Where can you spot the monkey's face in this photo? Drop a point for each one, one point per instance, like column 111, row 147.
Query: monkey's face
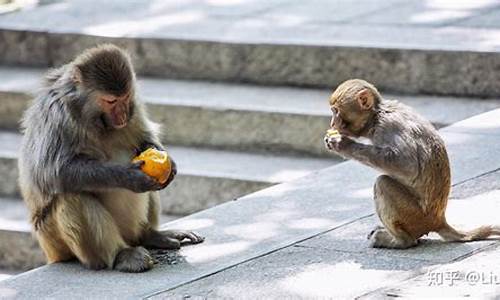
column 351, row 113
column 347, row 121
column 116, row 109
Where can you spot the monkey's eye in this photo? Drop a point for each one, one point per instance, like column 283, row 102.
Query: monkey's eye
column 334, row 111
column 110, row 100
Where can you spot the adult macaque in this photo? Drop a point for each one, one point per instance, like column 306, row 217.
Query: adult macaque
column 411, row 196
column 87, row 200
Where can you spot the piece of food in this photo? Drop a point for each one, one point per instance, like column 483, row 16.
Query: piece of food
column 156, row 164
column 333, row 133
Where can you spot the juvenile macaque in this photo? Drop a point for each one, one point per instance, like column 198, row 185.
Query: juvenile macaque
column 87, row 199
column 411, row 196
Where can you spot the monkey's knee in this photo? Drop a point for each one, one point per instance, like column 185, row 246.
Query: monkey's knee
column 52, row 244
column 89, row 231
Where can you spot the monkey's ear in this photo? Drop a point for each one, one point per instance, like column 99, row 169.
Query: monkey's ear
column 365, row 99
column 76, row 75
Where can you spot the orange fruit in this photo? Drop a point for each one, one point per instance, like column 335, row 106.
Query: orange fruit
column 156, row 164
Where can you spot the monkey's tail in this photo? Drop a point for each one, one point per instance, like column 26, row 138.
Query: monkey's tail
column 450, row 234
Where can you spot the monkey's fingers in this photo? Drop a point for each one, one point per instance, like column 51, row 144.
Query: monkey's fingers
column 192, row 238
column 137, row 164
column 330, row 145
column 169, row 180
column 185, row 237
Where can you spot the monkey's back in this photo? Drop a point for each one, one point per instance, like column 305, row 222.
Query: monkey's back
column 427, row 150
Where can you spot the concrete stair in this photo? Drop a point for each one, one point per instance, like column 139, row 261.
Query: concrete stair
column 229, row 136
column 245, row 138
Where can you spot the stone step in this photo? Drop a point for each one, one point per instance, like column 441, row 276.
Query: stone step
column 237, row 116
column 267, row 233
column 19, row 250
column 205, row 177
column 441, row 49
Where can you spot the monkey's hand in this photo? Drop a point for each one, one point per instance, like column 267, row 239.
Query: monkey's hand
column 173, row 172
column 339, row 145
column 139, row 182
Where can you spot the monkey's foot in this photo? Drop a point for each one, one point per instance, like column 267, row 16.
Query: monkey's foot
column 171, row 239
column 378, row 227
column 133, row 260
column 184, row 237
column 381, row 238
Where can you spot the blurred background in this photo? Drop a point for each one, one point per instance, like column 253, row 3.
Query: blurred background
column 241, row 87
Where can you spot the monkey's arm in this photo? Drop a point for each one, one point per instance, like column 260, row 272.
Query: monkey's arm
column 388, row 159
column 86, row 174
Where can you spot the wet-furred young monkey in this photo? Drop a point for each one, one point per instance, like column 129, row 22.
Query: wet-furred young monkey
column 87, row 200
column 411, row 196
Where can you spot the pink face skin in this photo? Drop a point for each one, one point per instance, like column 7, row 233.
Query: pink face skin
column 116, row 108
column 338, row 124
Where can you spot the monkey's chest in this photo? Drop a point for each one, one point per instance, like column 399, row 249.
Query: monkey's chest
column 123, row 157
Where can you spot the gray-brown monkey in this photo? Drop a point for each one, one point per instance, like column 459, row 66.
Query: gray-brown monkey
column 87, row 200
column 411, row 196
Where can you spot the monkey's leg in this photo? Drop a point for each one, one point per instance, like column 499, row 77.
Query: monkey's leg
column 400, row 213
column 165, row 239
column 92, row 235
column 51, row 242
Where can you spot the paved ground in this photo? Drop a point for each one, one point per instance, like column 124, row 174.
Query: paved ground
column 307, row 238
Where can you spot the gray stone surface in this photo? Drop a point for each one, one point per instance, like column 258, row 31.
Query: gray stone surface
column 340, row 263
column 301, row 273
column 433, row 13
column 320, row 43
column 484, row 124
column 239, row 116
column 18, row 248
column 8, row 164
column 490, row 19
column 253, row 226
column 476, row 277
column 466, row 162
column 24, row 47
column 12, row 105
